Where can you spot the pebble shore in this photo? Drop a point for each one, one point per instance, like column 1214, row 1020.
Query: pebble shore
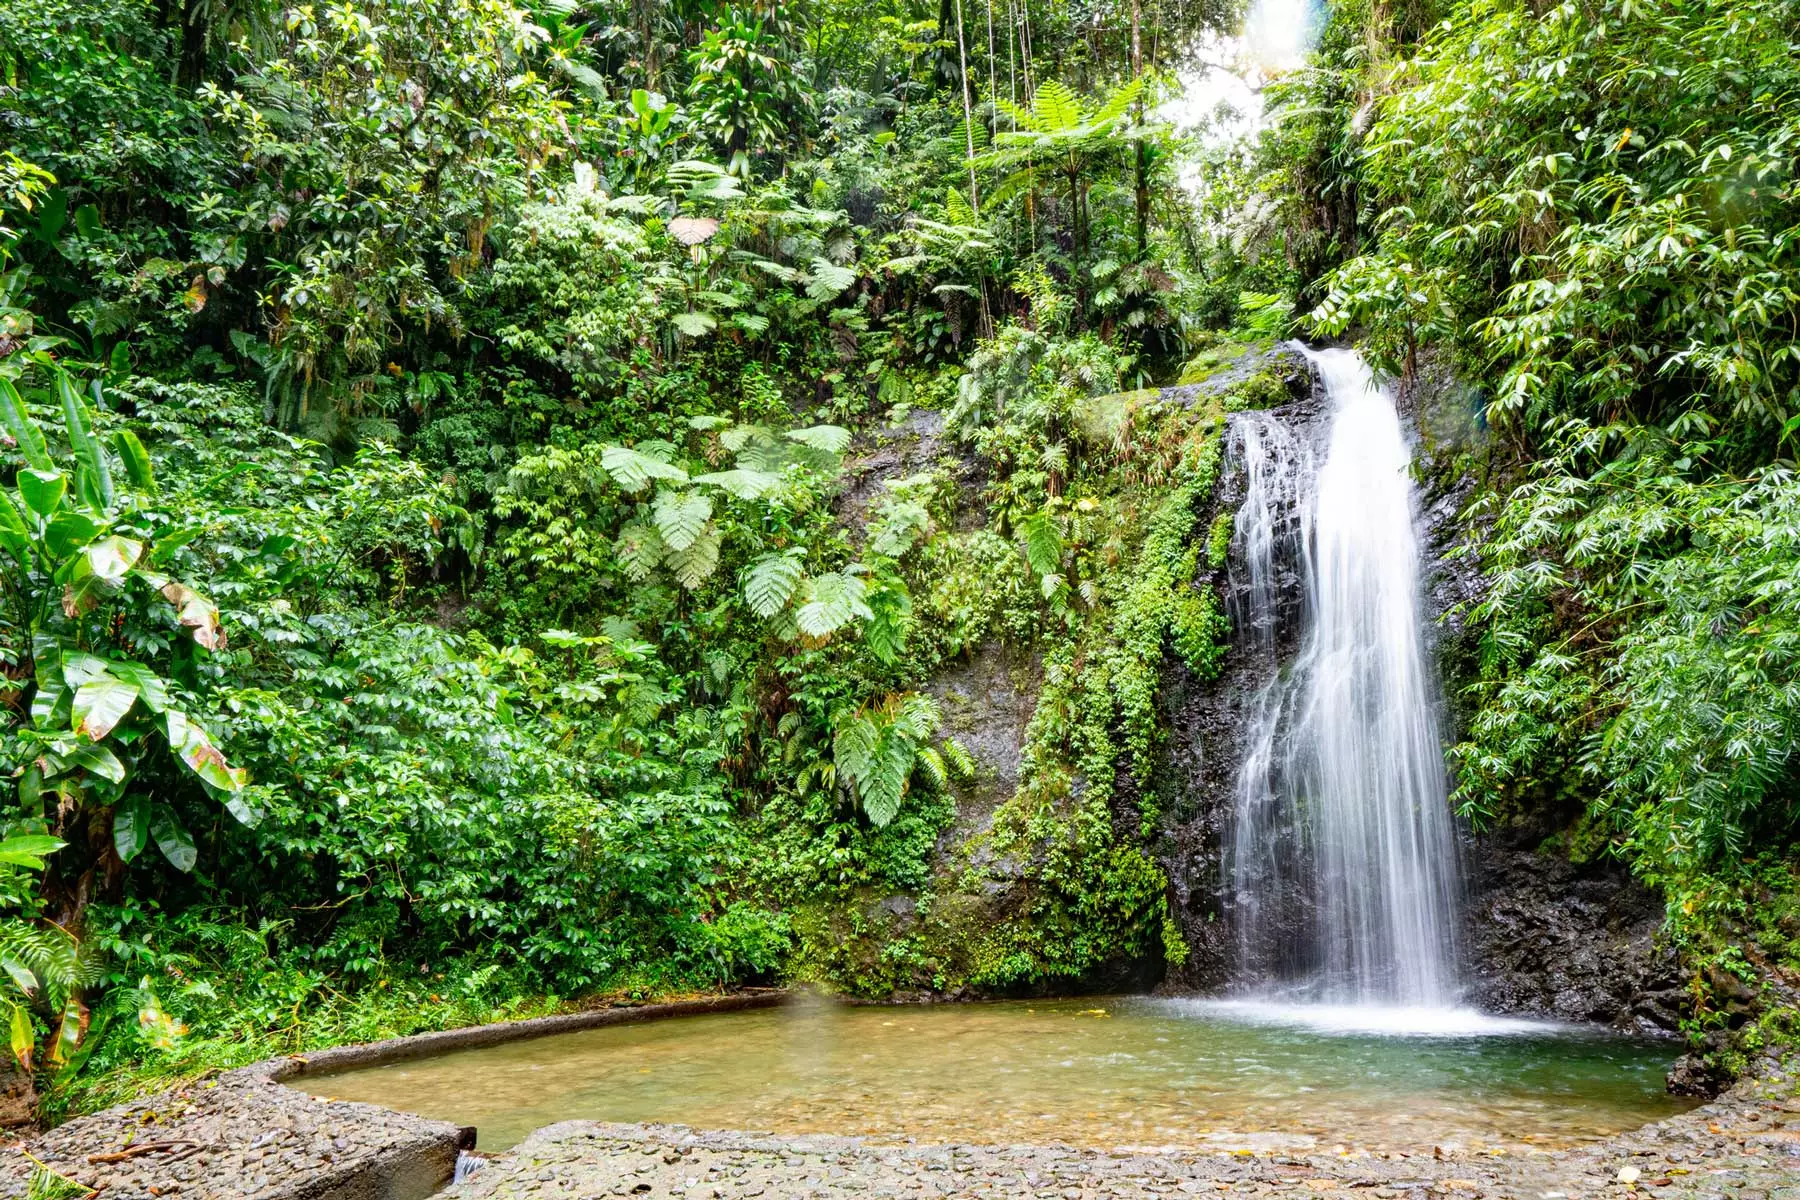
column 1746, row 1146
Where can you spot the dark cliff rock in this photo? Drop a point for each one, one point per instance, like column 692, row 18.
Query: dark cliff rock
column 1549, row 937
column 1207, row 720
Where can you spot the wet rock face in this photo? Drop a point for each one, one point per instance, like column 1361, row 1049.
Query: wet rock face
column 1547, row 937
column 1208, row 721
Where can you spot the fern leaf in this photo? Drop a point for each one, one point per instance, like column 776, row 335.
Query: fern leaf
column 853, row 749
column 770, row 581
column 832, row 439
column 681, row 517
column 1043, row 542
column 745, row 485
column 639, row 548
column 1055, row 108
column 958, row 759
column 930, row 765
column 834, row 600
column 917, row 717
column 699, row 560
column 828, row 280
column 632, row 468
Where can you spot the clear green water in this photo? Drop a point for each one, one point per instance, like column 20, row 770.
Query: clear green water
column 1100, row 1073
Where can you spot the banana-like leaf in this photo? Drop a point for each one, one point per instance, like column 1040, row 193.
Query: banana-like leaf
column 29, row 850
column 131, row 827
column 136, row 459
column 100, row 704
column 80, row 425
column 16, row 422
column 42, row 489
column 176, row 844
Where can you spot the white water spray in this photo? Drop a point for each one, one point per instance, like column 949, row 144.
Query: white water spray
column 1343, row 854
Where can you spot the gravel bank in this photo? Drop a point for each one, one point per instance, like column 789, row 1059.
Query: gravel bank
column 1746, row 1146
column 244, row 1135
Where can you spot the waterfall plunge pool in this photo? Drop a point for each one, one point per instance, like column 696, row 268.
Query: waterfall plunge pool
column 1096, row 1072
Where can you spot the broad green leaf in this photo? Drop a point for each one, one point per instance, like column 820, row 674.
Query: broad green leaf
column 88, row 1038
column 694, row 324
column 136, row 459
column 21, row 430
column 681, row 517
column 22, row 976
column 15, row 535
column 194, row 747
column 131, row 827
column 42, row 490
column 111, row 558
column 52, row 690
column 68, row 532
column 173, row 840
column 249, row 816
column 633, row 468
column 69, row 1032
column 152, row 690
column 29, row 850
column 96, row 760
column 80, row 424
column 769, row 582
column 101, row 704
column 23, row 1037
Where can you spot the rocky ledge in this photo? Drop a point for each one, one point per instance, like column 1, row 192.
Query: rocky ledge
column 1746, row 1146
column 244, row 1135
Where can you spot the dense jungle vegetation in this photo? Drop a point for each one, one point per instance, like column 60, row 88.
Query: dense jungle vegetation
column 441, row 577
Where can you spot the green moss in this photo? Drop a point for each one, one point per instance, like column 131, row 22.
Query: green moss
column 1213, row 359
column 1265, row 389
column 1218, row 540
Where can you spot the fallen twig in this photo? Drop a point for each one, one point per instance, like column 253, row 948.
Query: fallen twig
column 135, row 1151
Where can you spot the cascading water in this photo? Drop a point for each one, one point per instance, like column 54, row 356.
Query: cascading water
column 1342, row 856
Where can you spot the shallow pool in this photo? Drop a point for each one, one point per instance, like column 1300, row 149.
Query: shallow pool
column 1097, row 1072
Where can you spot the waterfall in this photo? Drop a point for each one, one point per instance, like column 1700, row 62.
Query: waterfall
column 1342, row 855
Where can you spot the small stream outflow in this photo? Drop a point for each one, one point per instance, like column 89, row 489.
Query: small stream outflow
column 1342, row 854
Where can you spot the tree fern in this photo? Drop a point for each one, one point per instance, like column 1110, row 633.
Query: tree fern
column 833, row 600
column 632, row 468
column 770, row 582
column 639, row 548
column 693, row 564
column 680, row 517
